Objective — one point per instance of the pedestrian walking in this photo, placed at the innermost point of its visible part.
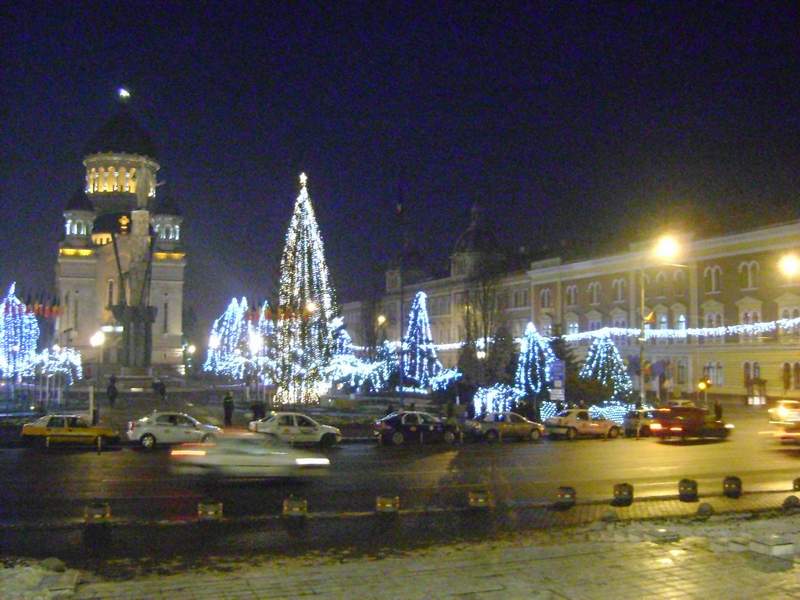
(162, 390)
(111, 391)
(227, 407)
(717, 410)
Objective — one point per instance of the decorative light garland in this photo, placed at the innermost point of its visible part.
(533, 365)
(604, 364)
(19, 336)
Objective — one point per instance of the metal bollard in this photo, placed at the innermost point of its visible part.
(99, 443)
(732, 486)
(97, 531)
(387, 504)
(480, 499)
(623, 494)
(209, 509)
(687, 490)
(796, 484)
(565, 497)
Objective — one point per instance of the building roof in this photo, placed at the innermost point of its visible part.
(477, 237)
(79, 201)
(122, 133)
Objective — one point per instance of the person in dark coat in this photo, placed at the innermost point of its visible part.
(111, 391)
(717, 410)
(227, 407)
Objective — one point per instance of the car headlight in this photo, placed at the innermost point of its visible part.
(312, 462)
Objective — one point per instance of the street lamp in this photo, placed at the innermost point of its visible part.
(664, 251)
(381, 320)
(789, 264)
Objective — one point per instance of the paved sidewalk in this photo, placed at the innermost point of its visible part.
(725, 557)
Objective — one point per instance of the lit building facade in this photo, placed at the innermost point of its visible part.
(721, 281)
(97, 247)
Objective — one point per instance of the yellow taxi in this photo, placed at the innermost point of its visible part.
(69, 429)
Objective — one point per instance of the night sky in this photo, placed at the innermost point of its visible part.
(576, 125)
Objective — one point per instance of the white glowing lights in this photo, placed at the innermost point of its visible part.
(19, 335)
(605, 365)
(533, 366)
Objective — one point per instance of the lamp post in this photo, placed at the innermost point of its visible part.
(789, 265)
(665, 250)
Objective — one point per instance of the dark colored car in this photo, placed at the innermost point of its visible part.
(413, 426)
(684, 422)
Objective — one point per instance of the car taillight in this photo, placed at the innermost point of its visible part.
(676, 428)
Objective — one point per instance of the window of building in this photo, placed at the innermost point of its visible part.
(177, 232)
(620, 322)
(748, 275)
(756, 370)
(594, 325)
(786, 376)
(661, 284)
(546, 326)
(594, 292)
(619, 290)
(663, 322)
(681, 372)
(681, 321)
(68, 226)
(711, 278)
(573, 327)
(797, 375)
(110, 293)
(679, 282)
(713, 319)
(748, 373)
(544, 298)
(502, 300)
(713, 371)
(572, 295)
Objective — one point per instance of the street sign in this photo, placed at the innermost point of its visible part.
(557, 373)
(557, 395)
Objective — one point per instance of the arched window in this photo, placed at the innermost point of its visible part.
(786, 376)
(546, 325)
(748, 375)
(68, 226)
(178, 234)
(719, 378)
(681, 321)
(711, 278)
(573, 327)
(661, 284)
(679, 281)
(168, 232)
(756, 371)
(748, 275)
(619, 290)
(572, 295)
(544, 298)
(797, 375)
(110, 293)
(662, 321)
(594, 292)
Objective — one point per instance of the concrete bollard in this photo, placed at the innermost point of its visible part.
(480, 499)
(705, 510)
(295, 507)
(623, 494)
(97, 530)
(565, 497)
(687, 490)
(209, 510)
(387, 505)
(732, 486)
(791, 503)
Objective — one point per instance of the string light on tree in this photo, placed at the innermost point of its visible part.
(19, 336)
(604, 364)
(305, 308)
(533, 367)
(420, 362)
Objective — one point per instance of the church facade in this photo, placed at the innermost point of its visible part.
(122, 245)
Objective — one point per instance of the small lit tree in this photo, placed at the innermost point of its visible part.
(605, 366)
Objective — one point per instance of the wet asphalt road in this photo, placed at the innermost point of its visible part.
(37, 484)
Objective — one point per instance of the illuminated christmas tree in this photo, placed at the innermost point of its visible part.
(533, 365)
(228, 342)
(305, 308)
(420, 363)
(604, 365)
(19, 335)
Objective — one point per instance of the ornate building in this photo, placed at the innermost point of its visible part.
(728, 280)
(121, 247)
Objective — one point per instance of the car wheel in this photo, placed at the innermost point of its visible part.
(613, 432)
(534, 435)
(327, 440)
(208, 438)
(491, 436)
(449, 437)
(645, 431)
(397, 438)
(572, 433)
(148, 441)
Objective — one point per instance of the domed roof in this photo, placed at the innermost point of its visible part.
(121, 133)
(477, 237)
(79, 201)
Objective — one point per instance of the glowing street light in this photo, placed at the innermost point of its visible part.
(97, 340)
(381, 320)
(667, 248)
(191, 349)
(789, 264)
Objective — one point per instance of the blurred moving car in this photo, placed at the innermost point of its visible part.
(247, 455)
(413, 426)
(493, 426)
(68, 429)
(786, 416)
(680, 403)
(297, 428)
(685, 422)
(640, 417)
(575, 422)
(169, 428)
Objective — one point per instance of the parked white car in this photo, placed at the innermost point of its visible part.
(577, 421)
(169, 428)
(246, 455)
(297, 428)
